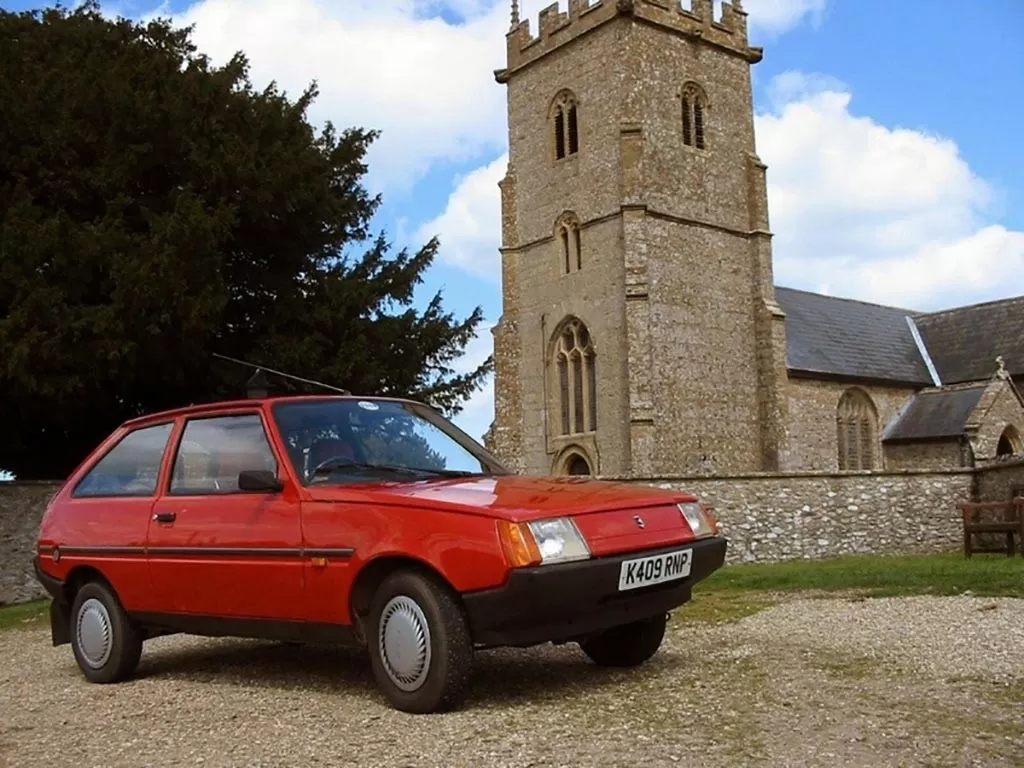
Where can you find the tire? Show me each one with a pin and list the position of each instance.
(107, 646)
(430, 676)
(629, 645)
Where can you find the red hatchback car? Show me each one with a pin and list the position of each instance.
(366, 521)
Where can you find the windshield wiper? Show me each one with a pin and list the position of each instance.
(336, 465)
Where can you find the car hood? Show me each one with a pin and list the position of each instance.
(512, 497)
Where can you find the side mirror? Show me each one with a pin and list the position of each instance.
(260, 480)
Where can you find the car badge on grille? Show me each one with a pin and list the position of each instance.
(639, 521)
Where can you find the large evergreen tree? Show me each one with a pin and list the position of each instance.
(156, 209)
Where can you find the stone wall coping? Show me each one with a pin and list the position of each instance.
(29, 483)
(797, 475)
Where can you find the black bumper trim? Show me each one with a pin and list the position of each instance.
(565, 602)
(60, 611)
(53, 586)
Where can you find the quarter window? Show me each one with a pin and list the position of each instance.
(131, 467)
(214, 451)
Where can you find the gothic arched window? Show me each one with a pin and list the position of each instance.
(695, 107)
(567, 234)
(856, 430)
(565, 123)
(577, 378)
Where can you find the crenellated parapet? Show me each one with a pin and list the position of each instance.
(557, 27)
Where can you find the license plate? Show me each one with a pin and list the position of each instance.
(645, 571)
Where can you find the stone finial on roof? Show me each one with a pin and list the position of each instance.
(1001, 372)
(515, 13)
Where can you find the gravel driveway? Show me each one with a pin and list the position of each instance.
(809, 682)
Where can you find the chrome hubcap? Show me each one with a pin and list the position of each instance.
(93, 633)
(403, 639)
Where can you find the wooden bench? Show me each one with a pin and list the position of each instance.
(1007, 518)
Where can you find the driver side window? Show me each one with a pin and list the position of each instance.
(214, 450)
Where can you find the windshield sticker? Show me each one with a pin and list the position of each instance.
(368, 405)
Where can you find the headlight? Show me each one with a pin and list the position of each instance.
(699, 521)
(542, 542)
(559, 540)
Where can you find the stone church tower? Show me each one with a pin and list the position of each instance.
(639, 332)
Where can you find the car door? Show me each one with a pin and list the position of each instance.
(215, 549)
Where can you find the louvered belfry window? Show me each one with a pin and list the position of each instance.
(565, 118)
(694, 113)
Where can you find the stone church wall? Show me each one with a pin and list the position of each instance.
(938, 454)
(998, 409)
(812, 425)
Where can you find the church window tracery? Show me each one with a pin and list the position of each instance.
(575, 362)
(856, 430)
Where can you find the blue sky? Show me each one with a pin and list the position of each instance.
(891, 131)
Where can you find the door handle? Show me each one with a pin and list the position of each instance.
(164, 517)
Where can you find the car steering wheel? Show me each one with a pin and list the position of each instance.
(327, 461)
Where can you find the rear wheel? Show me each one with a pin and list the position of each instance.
(628, 645)
(107, 646)
(419, 643)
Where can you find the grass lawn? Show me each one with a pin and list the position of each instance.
(878, 575)
(24, 614)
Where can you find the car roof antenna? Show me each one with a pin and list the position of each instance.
(260, 368)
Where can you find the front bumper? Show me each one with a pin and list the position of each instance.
(557, 603)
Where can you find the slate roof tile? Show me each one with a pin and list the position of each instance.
(964, 342)
(935, 414)
(843, 337)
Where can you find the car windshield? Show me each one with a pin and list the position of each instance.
(341, 440)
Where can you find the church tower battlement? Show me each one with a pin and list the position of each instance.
(557, 28)
(639, 332)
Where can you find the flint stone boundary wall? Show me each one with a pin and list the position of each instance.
(995, 480)
(21, 510)
(766, 517)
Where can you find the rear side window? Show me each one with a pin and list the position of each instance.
(131, 467)
(213, 451)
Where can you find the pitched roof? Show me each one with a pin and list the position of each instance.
(842, 337)
(935, 414)
(964, 342)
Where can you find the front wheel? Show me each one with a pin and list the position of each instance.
(107, 646)
(628, 645)
(419, 643)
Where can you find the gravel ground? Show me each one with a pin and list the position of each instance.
(809, 682)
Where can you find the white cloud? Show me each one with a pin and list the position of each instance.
(470, 226)
(883, 214)
(774, 17)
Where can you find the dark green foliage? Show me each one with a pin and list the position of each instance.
(155, 209)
